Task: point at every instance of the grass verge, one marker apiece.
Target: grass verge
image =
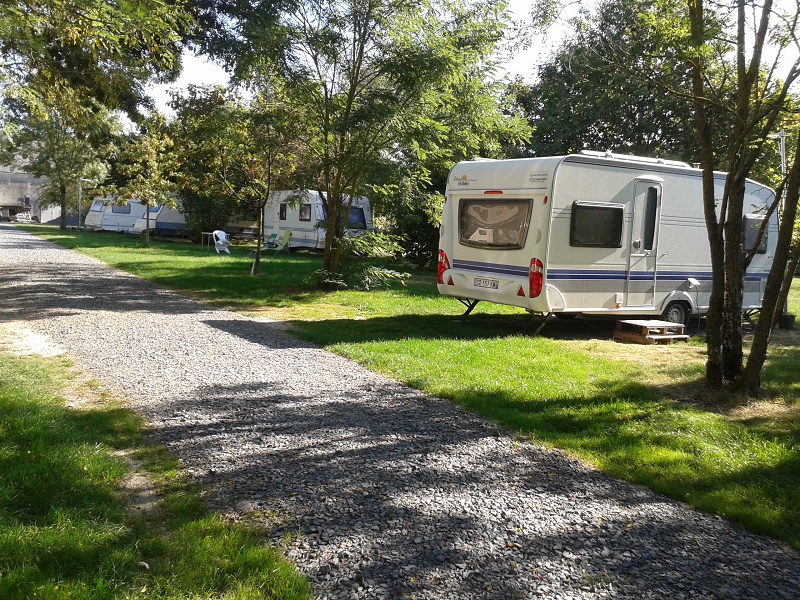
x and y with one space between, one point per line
64 528
637 412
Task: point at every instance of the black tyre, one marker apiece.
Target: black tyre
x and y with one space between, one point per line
676 312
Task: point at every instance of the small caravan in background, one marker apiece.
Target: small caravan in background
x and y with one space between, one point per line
164 221
104 215
303 213
591 233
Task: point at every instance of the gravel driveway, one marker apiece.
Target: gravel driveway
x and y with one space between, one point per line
386 492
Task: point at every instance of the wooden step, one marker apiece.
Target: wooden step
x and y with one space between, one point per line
649 332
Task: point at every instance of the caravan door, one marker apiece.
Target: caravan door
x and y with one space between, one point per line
643 244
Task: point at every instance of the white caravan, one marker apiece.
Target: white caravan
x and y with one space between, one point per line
164 221
104 215
596 234
303 213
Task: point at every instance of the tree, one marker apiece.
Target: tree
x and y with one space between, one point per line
53 146
760 97
361 72
583 99
149 164
70 52
737 96
235 152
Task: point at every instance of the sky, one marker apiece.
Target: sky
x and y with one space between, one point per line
199 71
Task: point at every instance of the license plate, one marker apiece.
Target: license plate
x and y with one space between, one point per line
486 283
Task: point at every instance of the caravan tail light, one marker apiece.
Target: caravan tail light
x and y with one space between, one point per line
444 264
536 277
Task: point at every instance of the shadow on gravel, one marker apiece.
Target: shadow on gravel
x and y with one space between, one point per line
64 290
387 487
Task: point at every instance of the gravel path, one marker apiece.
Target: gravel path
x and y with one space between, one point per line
386 492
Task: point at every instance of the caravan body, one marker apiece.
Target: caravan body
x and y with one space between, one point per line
105 215
164 221
593 233
303 213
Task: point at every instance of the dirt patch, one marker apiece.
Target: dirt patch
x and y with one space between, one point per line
16 338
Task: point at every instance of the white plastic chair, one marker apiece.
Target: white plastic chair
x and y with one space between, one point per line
221 241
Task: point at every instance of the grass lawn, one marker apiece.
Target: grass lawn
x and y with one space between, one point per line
639 412
64 530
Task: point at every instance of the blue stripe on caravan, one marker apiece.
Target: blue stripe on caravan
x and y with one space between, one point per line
585 274
481 267
593 274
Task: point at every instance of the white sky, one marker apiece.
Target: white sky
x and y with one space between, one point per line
524 62
199 71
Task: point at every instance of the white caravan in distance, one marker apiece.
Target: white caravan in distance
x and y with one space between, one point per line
302 213
592 233
104 215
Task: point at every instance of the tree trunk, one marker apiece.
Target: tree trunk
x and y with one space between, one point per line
778 285
147 225
732 353
256 268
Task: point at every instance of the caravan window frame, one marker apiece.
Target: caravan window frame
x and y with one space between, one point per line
282 209
121 209
304 212
590 211
509 233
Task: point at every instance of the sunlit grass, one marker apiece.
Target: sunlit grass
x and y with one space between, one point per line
64 530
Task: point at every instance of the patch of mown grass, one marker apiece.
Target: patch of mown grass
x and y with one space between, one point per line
64 530
638 412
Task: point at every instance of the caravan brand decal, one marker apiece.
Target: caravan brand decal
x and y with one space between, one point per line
462 181
540 177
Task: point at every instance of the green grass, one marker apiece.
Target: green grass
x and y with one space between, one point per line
64 531
638 412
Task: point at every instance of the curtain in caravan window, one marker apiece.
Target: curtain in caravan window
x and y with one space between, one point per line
494 224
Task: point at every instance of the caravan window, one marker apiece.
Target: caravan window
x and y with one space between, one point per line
305 212
650 214
154 209
596 225
97 206
496 224
356 220
752 223
282 212
125 209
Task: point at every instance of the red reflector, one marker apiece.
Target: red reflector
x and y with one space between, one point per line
521 292
536 277
493 192
545 199
450 281
444 264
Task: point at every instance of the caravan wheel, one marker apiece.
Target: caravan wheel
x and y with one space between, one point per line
676 312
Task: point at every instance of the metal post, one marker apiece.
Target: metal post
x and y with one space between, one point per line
80 193
80 190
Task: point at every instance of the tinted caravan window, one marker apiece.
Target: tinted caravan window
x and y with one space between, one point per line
305 212
282 212
494 224
125 209
356 219
751 224
596 225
